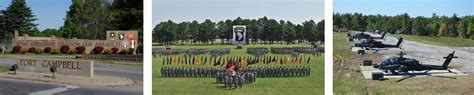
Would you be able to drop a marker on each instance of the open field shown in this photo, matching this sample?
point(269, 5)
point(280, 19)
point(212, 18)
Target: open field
point(349, 80)
point(311, 85)
point(4, 69)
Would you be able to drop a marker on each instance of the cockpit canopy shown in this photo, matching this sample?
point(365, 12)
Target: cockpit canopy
point(398, 60)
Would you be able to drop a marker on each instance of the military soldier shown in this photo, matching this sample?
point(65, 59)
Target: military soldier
point(163, 71)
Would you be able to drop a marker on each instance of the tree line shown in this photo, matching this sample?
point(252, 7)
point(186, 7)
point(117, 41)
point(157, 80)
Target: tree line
point(85, 19)
point(435, 25)
point(261, 30)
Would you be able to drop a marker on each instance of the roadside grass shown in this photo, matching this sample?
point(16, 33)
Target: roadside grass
point(353, 84)
point(444, 41)
point(4, 69)
point(120, 62)
point(311, 85)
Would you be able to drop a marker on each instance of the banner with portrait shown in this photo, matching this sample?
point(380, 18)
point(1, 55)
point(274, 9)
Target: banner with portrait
point(239, 34)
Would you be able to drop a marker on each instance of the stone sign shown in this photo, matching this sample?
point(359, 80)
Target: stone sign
point(124, 40)
point(65, 67)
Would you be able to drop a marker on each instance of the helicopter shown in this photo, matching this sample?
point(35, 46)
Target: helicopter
point(362, 35)
point(398, 63)
point(371, 43)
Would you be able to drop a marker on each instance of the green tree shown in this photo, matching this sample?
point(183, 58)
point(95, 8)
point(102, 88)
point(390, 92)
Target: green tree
point(357, 22)
point(299, 29)
point(320, 31)
point(18, 16)
point(207, 31)
point(73, 23)
point(443, 30)
point(252, 31)
point(310, 30)
point(261, 27)
point(289, 32)
point(89, 19)
point(100, 17)
point(270, 30)
point(404, 22)
point(183, 32)
point(165, 32)
point(194, 27)
point(128, 15)
point(49, 32)
point(419, 26)
point(433, 26)
point(452, 26)
point(35, 32)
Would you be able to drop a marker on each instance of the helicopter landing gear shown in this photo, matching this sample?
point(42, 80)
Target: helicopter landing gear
point(394, 72)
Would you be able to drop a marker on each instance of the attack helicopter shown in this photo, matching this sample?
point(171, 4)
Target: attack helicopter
point(371, 43)
point(362, 35)
point(398, 63)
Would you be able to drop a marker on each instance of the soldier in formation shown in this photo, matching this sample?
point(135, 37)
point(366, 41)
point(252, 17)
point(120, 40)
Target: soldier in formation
point(279, 71)
point(167, 52)
point(194, 72)
point(257, 51)
point(219, 52)
point(216, 72)
point(195, 51)
point(314, 51)
point(282, 50)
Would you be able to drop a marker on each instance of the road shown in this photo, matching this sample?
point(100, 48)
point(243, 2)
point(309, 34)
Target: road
point(24, 87)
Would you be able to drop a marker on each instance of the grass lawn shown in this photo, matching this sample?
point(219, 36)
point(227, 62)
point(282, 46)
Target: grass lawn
point(348, 79)
point(4, 69)
point(343, 84)
point(444, 41)
point(312, 85)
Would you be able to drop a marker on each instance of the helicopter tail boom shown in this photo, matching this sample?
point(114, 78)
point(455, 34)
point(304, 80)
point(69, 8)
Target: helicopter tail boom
point(448, 59)
point(399, 42)
point(383, 35)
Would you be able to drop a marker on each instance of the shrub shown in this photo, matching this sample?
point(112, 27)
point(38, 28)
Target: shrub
point(23, 51)
point(16, 49)
point(32, 50)
point(65, 49)
point(123, 51)
point(47, 50)
point(140, 49)
point(131, 50)
point(55, 51)
point(39, 51)
point(98, 49)
point(108, 51)
point(80, 50)
point(72, 51)
point(115, 50)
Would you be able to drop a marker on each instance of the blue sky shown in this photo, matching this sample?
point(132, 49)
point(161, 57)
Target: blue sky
point(295, 11)
point(50, 13)
point(412, 7)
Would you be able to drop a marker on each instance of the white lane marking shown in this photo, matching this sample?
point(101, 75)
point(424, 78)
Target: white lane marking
point(55, 90)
